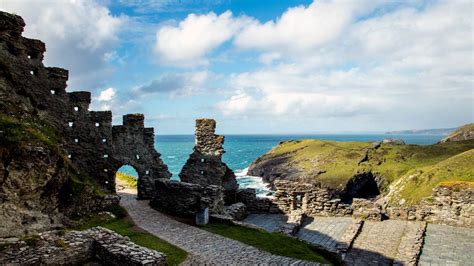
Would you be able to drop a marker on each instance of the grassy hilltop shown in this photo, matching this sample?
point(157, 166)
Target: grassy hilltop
point(414, 169)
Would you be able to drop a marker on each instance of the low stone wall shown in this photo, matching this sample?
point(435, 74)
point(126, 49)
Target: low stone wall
point(98, 245)
point(451, 205)
point(186, 199)
point(313, 199)
point(255, 204)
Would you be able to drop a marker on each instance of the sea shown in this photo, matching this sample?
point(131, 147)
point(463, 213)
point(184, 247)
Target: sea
point(242, 150)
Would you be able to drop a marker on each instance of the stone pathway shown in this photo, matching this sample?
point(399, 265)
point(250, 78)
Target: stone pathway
point(203, 246)
point(447, 245)
point(269, 222)
point(325, 232)
point(378, 242)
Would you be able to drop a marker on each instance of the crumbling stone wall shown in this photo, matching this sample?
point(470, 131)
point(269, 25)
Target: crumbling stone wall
point(313, 199)
point(205, 166)
point(187, 199)
point(92, 145)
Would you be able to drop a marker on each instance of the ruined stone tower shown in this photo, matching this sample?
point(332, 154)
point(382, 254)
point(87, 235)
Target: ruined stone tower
point(205, 166)
point(91, 144)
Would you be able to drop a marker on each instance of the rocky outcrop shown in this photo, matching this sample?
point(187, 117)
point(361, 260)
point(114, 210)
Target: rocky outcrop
point(465, 132)
point(393, 141)
point(238, 211)
point(98, 246)
point(187, 199)
point(205, 166)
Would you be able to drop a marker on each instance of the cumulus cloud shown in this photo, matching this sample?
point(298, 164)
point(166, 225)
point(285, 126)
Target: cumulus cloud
point(396, 66)
point(187, 43)
point(106, 95)
point(79, 35)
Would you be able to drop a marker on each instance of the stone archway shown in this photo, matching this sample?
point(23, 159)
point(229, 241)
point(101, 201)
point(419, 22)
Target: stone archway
point(133, 145)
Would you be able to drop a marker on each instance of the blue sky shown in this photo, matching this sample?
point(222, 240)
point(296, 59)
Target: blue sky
point(265, 66)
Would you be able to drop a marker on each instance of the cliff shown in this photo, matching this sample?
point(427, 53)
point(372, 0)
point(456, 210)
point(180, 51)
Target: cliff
point(465, 132)
point(363, 169)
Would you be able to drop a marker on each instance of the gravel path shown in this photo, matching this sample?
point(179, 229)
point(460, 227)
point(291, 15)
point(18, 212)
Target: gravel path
point(204, 247)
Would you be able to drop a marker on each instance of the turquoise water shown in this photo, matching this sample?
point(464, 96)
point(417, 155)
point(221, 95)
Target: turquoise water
point(241, 150)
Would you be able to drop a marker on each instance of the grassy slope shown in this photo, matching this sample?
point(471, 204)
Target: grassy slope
point(125, 227)
point(340, 160)
point(457, 170)
point(127, 179)
point(460, 131)
point(274, 243)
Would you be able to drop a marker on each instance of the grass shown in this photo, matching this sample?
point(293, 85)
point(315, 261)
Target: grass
point(127, 179)
point(339, 161)
point(124, 226)
point(17, 131)
point(274, 243)
point(454, 171)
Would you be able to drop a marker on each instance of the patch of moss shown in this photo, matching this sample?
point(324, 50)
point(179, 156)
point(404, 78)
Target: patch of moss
point(17, 131)
point(31, 240)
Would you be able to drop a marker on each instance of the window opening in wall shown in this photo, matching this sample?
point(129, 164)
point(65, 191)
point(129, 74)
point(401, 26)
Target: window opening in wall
point(202, 172)
point(32, 72)
point(298, 201)
point(29, 56)
point(52, 91)
point(126, 178)
point(97, 124)
point(106, 182)
point(76, 140)
point(137, 156)
point(106, 156)
point(104, 140)
point(105, 170)
point(71, 124)
point(203, 160)
point(147, 172)
point(76, 108)
point(69, 156)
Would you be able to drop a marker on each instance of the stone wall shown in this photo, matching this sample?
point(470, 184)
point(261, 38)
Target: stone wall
point(205, 166)
point(451, 205)
point(92, 145)
point(256, 204)
point(98, 246)
point(313, 199)
point(186, 199)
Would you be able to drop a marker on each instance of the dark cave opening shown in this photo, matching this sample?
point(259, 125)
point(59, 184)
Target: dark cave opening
point(362, 185)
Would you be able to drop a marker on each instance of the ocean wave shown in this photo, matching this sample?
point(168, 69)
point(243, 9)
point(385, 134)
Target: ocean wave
point(246, 181)
point(241, 172)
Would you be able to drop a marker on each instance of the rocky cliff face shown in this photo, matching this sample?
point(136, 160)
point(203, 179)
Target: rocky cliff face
point(39, 184)
point(465, 132)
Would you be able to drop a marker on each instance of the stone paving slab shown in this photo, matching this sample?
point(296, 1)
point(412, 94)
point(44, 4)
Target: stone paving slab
point(215, 249)
point(447, 245)
point(378, 242)
point(268, 222)
point(326, 232)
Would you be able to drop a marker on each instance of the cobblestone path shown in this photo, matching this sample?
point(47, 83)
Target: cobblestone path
point(324, 231)
point(204, 247)
point(378, 242)
point(447, 245)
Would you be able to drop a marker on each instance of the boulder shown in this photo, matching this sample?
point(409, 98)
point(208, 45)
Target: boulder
point(238, 211)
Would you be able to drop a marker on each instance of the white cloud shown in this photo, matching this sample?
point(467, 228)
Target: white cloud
point(79, 35)
point(301, 29)
point(406, 67)
point(106, 95)
point(187, 43)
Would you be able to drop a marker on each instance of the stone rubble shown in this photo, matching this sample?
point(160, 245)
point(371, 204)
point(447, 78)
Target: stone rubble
point(99, 245)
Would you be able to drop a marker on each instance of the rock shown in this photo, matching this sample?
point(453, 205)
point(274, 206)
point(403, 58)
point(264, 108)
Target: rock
point(393, 141)
point(238, 211)
point(366, 209)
